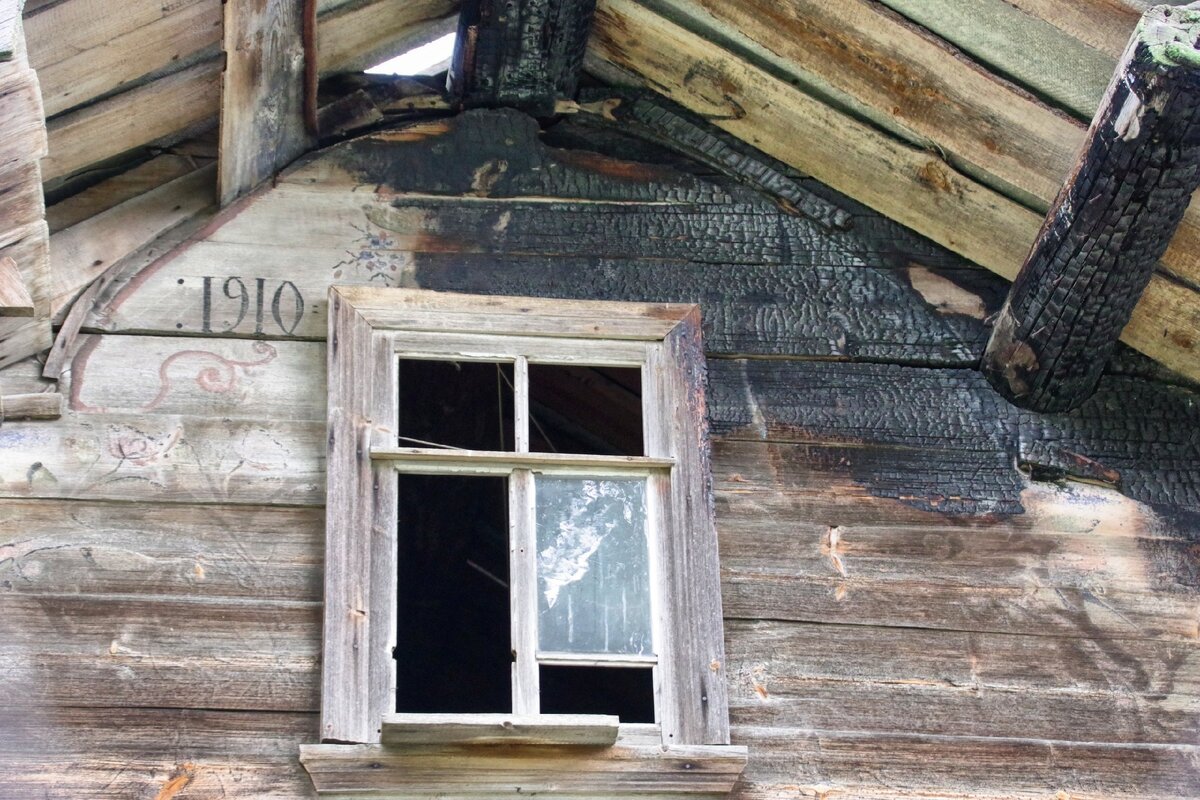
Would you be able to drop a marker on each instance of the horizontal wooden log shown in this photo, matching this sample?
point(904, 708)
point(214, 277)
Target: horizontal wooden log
point(211, 551)
point(878, 766)
point(879, 680)
point(165, 458)
point(83, 50)
point(157, 652)
point(946, 410)
point(903, 182)
point(1101, 24)
point(86, 250)
point(226, 378)
point(152, 112)
point(1032, 52)
point(124, 185)
point(111, 751)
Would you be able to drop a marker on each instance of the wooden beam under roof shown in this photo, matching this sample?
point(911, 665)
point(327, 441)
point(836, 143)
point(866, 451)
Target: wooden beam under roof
point(263, 92)
point(520, 53)
point(931, 194)
point(1110, 224)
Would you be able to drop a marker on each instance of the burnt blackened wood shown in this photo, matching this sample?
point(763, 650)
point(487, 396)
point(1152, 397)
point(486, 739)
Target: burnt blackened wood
point(521, 53)
point(660, 121)
point(940, 438)
point(1108, 227)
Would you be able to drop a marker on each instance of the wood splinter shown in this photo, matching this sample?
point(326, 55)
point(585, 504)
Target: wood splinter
point(1109, 225)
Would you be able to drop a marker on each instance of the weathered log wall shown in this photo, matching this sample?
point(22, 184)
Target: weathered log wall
point(927, 592)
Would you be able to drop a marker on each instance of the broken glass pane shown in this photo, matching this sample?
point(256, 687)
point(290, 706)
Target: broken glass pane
point(593, 566)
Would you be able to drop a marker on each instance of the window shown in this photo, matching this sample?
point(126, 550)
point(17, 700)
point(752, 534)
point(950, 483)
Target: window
point(611, 569)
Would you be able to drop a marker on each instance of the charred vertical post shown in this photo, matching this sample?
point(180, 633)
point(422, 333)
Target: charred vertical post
point(519, 53)
point(1110, 223)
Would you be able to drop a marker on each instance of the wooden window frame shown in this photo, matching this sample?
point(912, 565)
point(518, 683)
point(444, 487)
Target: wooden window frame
point(369, 330)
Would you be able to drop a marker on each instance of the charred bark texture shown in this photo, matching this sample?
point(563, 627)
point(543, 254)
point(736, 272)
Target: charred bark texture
point(662, 122)
point(520, 53)
point(1109, 225)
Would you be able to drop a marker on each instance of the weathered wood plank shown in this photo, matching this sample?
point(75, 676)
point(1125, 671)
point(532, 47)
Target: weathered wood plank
point(875, 766)
point(579, 730)
point(114, 752)
point(358, 675)
point(83, 252)
point(83, 49)
point(628, 769)
point(10, 26)
point(164, 458)
point(1063, 587)
point(123, 186)
point(907, 184)
point(158, 652)
point(694, 701)
point(1029, 51)
point(957, 684)
point(21, 195)
point(262, 93)
point(94, 548)
point(149, 113)
point(22, 125)
point(206, 377)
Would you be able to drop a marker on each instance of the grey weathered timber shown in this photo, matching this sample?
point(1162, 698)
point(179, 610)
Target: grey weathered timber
point(358, 679)
point(694, 702)
point(878, 766)
point(522, 53)
point(485, 730)
point(633, 767)
point(251, 553)
point(263, 92)
point(123, 752)
point(1112, 221)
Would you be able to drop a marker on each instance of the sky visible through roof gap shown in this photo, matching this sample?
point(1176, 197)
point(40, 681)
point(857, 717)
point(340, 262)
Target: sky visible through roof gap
point(428, 59)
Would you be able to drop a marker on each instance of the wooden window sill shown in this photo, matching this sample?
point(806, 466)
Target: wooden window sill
point(637, 764)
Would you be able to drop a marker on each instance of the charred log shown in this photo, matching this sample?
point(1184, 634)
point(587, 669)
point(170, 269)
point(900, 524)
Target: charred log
point(1109, 225)
point(519, 53)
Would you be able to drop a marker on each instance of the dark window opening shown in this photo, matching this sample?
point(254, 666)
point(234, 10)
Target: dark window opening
point(460, 404)
point(627, 692)
point(587, 410)
point(453, 653)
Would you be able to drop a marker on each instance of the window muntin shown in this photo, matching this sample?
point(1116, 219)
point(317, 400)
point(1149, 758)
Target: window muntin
point(575, 518)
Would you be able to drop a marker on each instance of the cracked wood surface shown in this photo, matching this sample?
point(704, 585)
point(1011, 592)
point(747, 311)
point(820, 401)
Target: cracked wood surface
point(927, 193)
point(886, 568)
